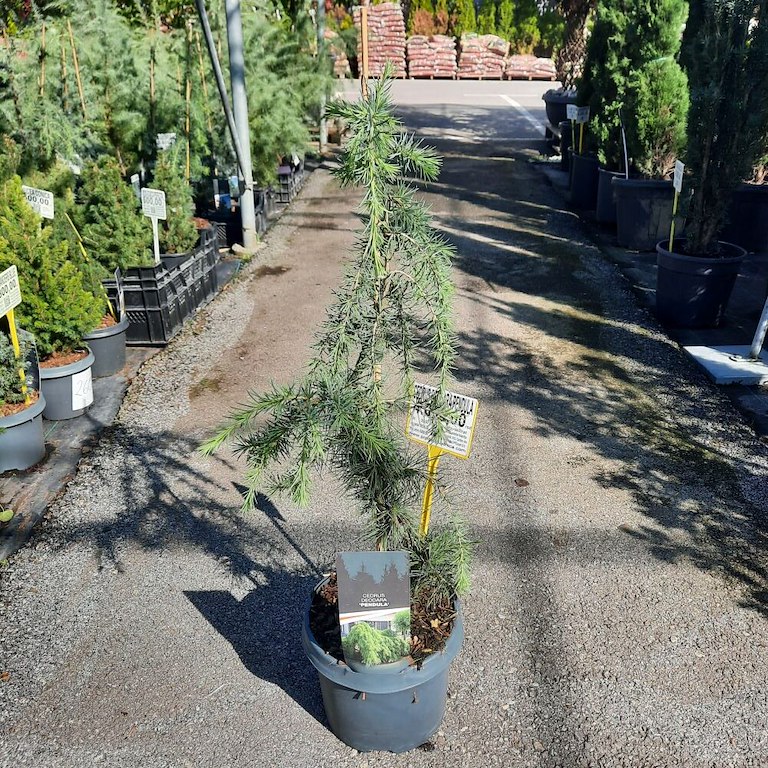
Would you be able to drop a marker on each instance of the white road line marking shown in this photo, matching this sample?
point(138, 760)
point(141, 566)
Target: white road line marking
point(531, 120)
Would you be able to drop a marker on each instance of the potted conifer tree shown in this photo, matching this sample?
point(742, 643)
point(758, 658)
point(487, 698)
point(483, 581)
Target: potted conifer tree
point(22, 443)
point(56, 307)
point(631, 75)
point(347, 413)
point(725, 53)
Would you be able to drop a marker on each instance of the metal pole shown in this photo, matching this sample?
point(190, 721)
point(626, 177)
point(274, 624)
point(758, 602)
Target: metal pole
point(240, 108)
point(245, 168)
point(322, 62)
point(759, 337)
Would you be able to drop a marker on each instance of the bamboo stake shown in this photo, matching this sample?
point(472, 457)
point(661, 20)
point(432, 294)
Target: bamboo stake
point(42, 62)
point(364, 40)
point(77, 69)
point(64, 83)
point(189, 149)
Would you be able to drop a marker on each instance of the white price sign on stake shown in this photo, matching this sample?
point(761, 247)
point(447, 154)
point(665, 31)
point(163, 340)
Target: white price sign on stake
point(457, 435)
point(165, 140)
point(571, 111)
point(153, 206)
point(82, 390)
point(10, 291)
point(677, 181)
point(582, 115)
point(136, 184)
point(153, 203)
point(40, 200)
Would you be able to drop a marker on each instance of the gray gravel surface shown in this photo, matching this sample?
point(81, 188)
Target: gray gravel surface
point(618, 613)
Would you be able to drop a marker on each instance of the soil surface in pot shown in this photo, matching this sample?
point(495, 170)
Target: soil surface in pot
point(11, 409)
point(106, 322)
point(58, 359)
point(430, 628)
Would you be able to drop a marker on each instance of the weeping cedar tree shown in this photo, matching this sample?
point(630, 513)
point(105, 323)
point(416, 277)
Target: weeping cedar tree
point(393, 308)
point(725, 52)
point(630, 68)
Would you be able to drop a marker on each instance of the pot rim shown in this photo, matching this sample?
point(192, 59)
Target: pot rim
point(26, 415)
point(378, 682)
point(60, 371)
point(740, 253)
point(110, 330)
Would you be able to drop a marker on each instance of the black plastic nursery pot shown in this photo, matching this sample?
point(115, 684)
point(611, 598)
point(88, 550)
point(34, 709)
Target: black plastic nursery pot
point(108, 347)
point(584, 178)
point(644, 212)
point(68, 389)
point(392, 711)
point(748, 218)
point(605, 208)
point(556, 104)
point(693, 291)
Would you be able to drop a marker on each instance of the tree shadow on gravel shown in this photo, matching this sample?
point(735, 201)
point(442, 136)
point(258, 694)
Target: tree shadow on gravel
point(165, 503)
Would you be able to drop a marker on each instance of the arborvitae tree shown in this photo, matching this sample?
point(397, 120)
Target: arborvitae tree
point(631, 66)
point(505, 24)
point(486, 17)
point(177, 233)
point(444, 21)
point(552, 29)
point(56, 306)
point(417, 14)
point(725, 53)
point(109, 219)
point(10, 382)
point(526, 34)
point(390, 314)
point(465, 19)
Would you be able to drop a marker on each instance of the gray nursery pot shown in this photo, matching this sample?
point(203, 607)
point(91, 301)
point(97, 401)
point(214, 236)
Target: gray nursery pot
point(393, 711)
point(67, 388)
point(22, 443)
point(108, 347)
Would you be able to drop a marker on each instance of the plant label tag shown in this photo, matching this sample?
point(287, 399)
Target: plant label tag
point(153, 203)
point(374, 606)
point(136, 184)
point(82, 390)
point(457, 434)
point(677, 181)
point(40, 200)
point(10, 292)
point(120, 294)
point(582, 115)
point(571, 111)
point(165, 140)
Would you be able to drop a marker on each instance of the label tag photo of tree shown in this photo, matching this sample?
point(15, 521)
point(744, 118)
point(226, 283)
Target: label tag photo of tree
point(374, 606)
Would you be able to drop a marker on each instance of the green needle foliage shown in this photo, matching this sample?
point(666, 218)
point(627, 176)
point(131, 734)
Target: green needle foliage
point(631, 71)
point(10, 381)
point(391, 314)
point(486, 17)
point(177, 233)
point(725, 52)
point(56, 305)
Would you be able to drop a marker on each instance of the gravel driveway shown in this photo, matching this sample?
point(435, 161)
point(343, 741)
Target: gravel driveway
point(619, 610)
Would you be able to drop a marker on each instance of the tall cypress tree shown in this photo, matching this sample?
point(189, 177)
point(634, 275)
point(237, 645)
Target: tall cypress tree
point(631, 71)
point(465, 21)
point(486, 18)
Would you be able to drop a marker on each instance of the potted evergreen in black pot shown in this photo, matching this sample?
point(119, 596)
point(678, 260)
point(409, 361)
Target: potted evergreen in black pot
point(725, 53)
point(347, 414)
point(631, 76)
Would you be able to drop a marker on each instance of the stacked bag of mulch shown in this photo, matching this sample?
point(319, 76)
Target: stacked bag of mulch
point(336, 50)
point(482, 57)
point(524, 67)
point(433, 56)
point(386, 38)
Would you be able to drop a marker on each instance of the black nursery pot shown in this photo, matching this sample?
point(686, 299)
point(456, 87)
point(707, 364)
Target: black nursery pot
point(693, 291)
point(584, 178)
point(644, 212)
point(392, 711)
point(605, 208)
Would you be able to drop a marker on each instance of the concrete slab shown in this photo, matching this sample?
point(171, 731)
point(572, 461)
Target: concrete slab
point(731, 364)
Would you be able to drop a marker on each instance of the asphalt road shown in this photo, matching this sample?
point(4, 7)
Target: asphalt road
point(619, 605)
